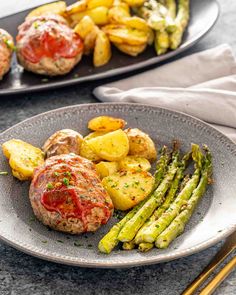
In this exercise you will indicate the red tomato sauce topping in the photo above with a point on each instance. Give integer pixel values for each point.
(48, 37)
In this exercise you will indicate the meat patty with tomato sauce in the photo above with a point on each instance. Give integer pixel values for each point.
(6, 49)
(66, 194)
(46, 45)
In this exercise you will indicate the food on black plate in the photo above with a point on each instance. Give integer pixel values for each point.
(64, 141)
(6, 50)
(47, 45)
(67, 195)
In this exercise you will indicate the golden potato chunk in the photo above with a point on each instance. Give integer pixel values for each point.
(102, 50)
(140, 144)
(106, 168)
(97, 3)
(23, 158)
(86, 151)
(128, 188)
(99, 15)
(132, 50)
(76, 7)
(58, 7)
(134, 163)
(64, 141)
(112, 146)
(106, 123)
(85, 26)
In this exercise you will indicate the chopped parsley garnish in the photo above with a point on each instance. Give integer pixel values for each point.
(44, 242)
(60, 241)
(56, 173)
(66, 181)
(50, 185)
(77, 244)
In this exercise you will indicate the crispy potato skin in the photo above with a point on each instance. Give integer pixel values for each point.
(23, 158)
(140, 144)
(128, 188)
(64, 141)
(106, 123)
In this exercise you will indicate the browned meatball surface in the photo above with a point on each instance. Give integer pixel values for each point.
(67, 195)
(6, 49)
(46, 45)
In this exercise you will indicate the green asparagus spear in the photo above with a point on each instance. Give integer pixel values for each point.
(151, 232)
(110, 240)
(181, 22)
(161, 42)
(169, 198)
(145, 247)
(171, 6)
(178, 224)
(131, 227)
(161, 166)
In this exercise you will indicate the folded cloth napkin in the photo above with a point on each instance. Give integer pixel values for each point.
(202, 85)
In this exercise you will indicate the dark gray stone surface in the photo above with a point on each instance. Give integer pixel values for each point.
(23, 274)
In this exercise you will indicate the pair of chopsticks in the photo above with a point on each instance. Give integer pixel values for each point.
(227, 248)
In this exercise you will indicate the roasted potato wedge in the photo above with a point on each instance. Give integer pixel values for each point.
(128, 36)
(122, 4)
(77, 7)
(106, 123)
(136, 22)
(99, 15)
(55, 8)
(128, 188)
(140, 144)
(23, 158)
(97, 3)
(84, 27)
(106, 168)
(116, 14)
(90, 41)
(102, 50)
(112, 146)
(134, 163)
(133, 3)
(86, 151)
(132, 50)
(64, 141)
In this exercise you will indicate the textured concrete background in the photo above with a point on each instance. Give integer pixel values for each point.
(23, 274)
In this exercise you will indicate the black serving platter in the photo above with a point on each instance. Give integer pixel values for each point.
(204, 14)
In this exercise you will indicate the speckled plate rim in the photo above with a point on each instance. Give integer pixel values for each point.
(55, 257)
(122, 70)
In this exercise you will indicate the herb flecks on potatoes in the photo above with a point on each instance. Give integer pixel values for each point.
(23, 158)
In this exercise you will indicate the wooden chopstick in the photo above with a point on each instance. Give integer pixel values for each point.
(226, 249)
(218, 279)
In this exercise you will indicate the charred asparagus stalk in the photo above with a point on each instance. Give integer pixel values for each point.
(151, 232)
(181, 22)
(169, 198)
(178, 224)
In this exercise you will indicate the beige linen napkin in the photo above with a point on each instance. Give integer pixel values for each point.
(202, 85)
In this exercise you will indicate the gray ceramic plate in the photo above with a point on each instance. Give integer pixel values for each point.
(204, 14)
(213, 220)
